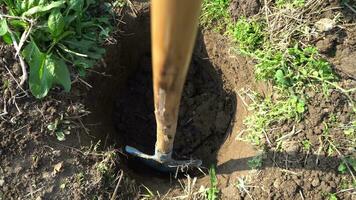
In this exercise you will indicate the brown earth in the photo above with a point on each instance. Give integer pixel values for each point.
(244, 8)
(117, 110)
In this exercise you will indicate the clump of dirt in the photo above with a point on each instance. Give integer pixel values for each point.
(327, 45)
(244, 8)
(339, 44)
(345, 56)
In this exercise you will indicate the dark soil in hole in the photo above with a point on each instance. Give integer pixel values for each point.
(204, 116)
(206, 107)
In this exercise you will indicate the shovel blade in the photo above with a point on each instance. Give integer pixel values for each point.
(167, 165)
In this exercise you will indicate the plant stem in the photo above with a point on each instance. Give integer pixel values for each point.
(24, 76)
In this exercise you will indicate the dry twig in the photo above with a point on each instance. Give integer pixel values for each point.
(113, 196)
(18, 46)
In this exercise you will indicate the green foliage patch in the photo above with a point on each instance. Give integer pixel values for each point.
(58, 34)
(247, 34)
(215, 12)
(268, 111)
(292, 72)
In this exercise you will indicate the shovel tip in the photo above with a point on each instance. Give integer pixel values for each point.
(167, 166)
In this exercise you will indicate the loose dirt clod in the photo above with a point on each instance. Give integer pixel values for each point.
(244, 8)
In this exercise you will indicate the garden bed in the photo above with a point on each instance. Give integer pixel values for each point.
(70, 145)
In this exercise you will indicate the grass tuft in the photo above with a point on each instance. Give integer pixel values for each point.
(290, 3)
(215, 14)
(213, 191)
(248, 35)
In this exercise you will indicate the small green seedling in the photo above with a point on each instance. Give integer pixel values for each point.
(213, 191)
(63, 186)
(342, 168)
(255, 162)
(80, 177)
(332, 196)
(60, 128)
(106, 166)
(119, 3)
(268, 111)
(306, 145)
(351, 162)
(349, 132)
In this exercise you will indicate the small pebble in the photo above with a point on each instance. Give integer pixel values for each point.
(325, 24)
(315, 182)
(277, 184)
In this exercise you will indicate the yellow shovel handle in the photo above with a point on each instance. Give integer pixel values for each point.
(174, 25)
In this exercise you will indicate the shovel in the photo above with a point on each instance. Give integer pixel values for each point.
(174, 25)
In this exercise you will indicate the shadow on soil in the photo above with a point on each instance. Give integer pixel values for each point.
(285, 160)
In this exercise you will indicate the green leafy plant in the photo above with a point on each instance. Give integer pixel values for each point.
(215, 12)
(332, 196)
(119, 3)
(247, 33)
(292, 73)
(342, 168)
(351, 162)
(294, 70)
(213, 191)
(306, 145)
(106, 167)
(350, 130)
(57, 34)
(255, 162)
(60, 128)
(268, 111)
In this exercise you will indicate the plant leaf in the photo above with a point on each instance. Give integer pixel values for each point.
(76, 5)
(18, 24)
(41, 73)
(7, 38)
(56, 23)
(300, 106)
(342, 168)
(61, 74)
(280, 78)
(60, 136)
(3, 27)
(32, 3)
(41, 8)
